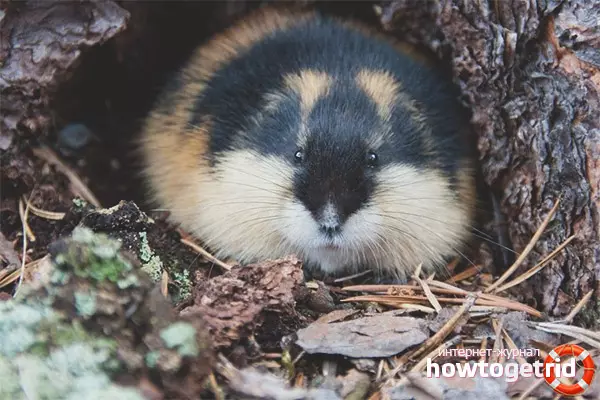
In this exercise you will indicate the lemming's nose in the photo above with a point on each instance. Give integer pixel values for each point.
(330, 228)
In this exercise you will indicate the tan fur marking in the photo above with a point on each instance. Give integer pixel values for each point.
(310, 85)
(382, 88)
(386, 92)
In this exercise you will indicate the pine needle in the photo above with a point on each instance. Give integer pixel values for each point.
(467, 273)
(527, 250)
(430, 296)
(55, 216)
(531, 272)
(579, 306)
(24, 214)
(206, 254)
(77, 184)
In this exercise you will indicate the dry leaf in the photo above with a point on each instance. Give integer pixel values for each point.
(381, 335)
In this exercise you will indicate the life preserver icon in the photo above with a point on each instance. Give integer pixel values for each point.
(581, 355)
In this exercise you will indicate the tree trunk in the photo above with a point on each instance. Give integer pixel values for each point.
(529, 70)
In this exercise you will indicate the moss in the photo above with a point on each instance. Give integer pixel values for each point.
(181, 336)
(151, 263)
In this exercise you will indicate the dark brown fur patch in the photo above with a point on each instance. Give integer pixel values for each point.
(252, 29)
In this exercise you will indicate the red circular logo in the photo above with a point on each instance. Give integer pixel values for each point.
(580, 354)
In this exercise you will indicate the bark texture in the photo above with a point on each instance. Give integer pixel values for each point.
(529, 70)
(41, 42)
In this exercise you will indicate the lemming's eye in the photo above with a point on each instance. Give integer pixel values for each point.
(371, 159)
(299, 156)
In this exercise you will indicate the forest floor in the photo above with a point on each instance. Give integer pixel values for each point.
(262, 330)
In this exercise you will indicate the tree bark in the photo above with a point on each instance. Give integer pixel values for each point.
(529, 70)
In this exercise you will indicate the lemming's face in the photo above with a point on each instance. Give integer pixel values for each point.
(361, 190)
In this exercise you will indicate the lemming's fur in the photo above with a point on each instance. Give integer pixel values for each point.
(297, 133)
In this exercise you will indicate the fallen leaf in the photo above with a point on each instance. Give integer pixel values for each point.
(381, 335)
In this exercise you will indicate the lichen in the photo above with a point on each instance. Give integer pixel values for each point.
(98, 260)
(45, 356)
(152, 359)
(151, 263)
(183, 283)
(17, 323)
(130, 280)
(85, 303)
(80, 203)
(182, 337)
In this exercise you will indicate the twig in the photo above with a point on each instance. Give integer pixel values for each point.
(415, 307)
(497, 300)
(206, 254)
(447, 328)
(375, 396)
(436, 287)
(379, 369)
(498, 343)
(467, 273)
(214, 386)
(7, 280)
(395, 300)
(511, 344)
(24, 254)
(430, 296)
(584, 335)
(350, 277)
(164, 284)
(298, 357)
(439, 336)
(79, 187)
(525, 252)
